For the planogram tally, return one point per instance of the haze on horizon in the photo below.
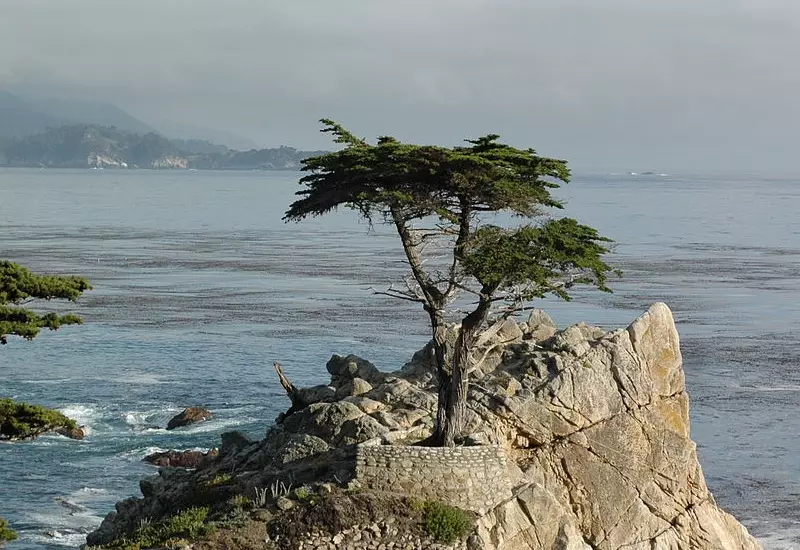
(613, 85)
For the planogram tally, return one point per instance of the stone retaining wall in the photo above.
(472, 478)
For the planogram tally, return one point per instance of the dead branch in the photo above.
(294, 394)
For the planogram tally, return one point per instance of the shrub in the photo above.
(186, 524)
(445, 523)
(6, 532)
(219, 479)
(23, 421)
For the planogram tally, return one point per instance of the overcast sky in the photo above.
(606, 84)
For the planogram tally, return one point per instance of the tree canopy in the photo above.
(451, 202)
(19, 287)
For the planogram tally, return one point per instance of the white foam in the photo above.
(139, 454)
(59, 538)
(88, 495)
(211, 426)
(149, 420)
(84, 415)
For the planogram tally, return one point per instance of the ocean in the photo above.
(199, 286)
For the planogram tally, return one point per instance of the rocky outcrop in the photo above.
(189, 416)
(181, 459)
(594, 427)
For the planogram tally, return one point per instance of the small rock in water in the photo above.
(191, 415)
(73, 433)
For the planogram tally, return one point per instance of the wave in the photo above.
(84, 415)
(58, 537)
(149, 419)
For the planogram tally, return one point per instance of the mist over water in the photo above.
(199, 287)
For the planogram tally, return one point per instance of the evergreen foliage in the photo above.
(19, 286)
(25, 421)
(7, 534)
(185, 525)
(445, 523)
(439, 200)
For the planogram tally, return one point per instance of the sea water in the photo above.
(199, 286)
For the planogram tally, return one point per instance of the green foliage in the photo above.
(439, 199)
(303, 494)
(24, 421)
(537, 259)
(241, 501)
(404, 183)
(187, 524)
(445, 523)
(7, 534)
(217, 480)
(18, 286)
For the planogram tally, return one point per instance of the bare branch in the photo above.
(294, 394)
(400, 296)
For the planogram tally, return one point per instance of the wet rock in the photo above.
(181, 459)
(191, 415)
(73, 433)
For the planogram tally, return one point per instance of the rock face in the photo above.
(181, 459)
(594, 427)
(602, 432)
(191, 415)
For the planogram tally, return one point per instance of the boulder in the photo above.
(300, 446)
(356, 386)
(540, 326)
(188, 416)
(346, 368)
(73, 433)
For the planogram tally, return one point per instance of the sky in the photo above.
(607, 84)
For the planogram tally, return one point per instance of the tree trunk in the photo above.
(444, 393)
(455, 404)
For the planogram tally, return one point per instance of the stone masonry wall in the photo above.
(472, 478)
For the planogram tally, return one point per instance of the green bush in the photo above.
(6, 532)
(23, 421)
(217, 480)
(445, 523)
(186, 524)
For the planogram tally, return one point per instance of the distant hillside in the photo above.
(82, 146)
(281, 158)
(22, 116)
(91, 112)
(91, 146)
(19, 118)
